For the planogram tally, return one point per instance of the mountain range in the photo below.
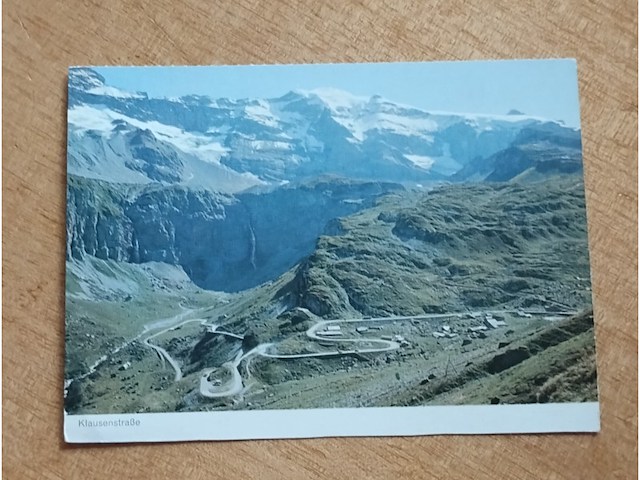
(229, 145)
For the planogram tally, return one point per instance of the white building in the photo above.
(332, 333)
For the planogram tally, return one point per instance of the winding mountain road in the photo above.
(146, 328)
(236, 385)
(312, 333)
(162, 353)
(233, 386)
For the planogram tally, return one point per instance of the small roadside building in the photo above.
(493, 323)
(331, 333)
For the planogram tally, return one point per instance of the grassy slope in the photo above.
(556, 363)
(457, 247)
(109, 303)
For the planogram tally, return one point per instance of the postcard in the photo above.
(289, 251)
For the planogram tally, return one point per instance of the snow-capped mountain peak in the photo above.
(85, 78)
(89, 81)
(335, 99)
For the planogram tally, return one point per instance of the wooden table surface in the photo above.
(42, 38)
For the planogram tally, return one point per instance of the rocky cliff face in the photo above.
(223, 242)
(536, 153)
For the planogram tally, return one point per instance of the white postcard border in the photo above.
(332, 422)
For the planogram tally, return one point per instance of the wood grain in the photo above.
(41, 39)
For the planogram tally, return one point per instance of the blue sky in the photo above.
(545, 88)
